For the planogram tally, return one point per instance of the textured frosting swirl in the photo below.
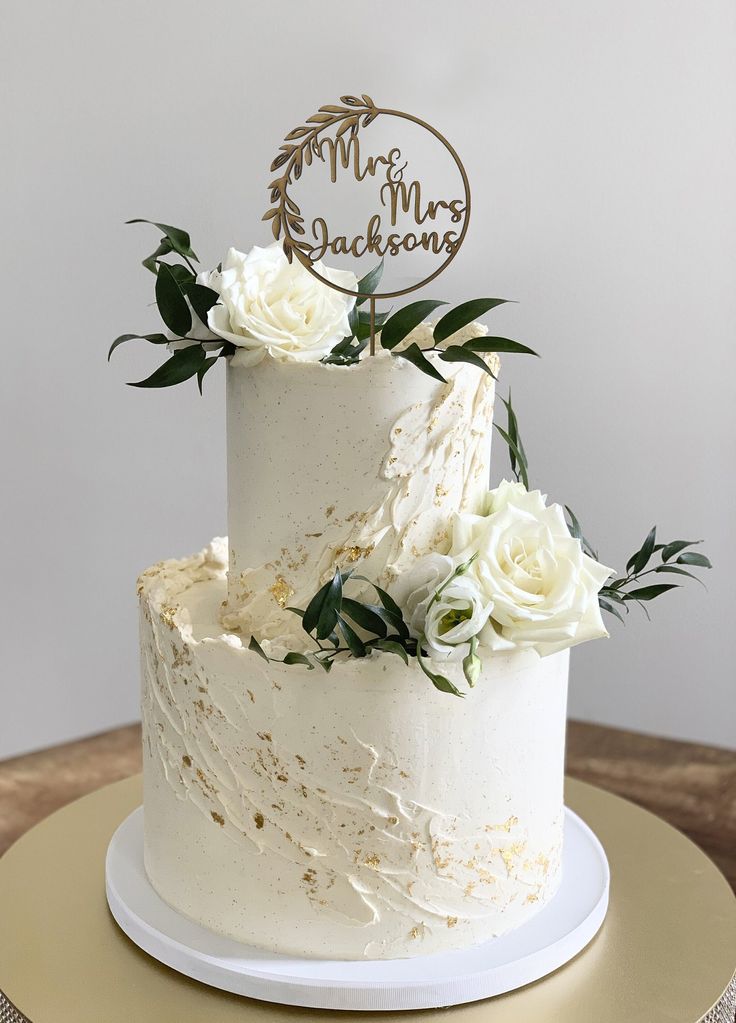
(332, 465)
(310, 813)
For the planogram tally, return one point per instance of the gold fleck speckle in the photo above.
(374, 860)
(266, 736)
(250, 694)
(329, 512)
(506, 826)
(166, 613)
(218, 818)
(451, 921)
(281, 591)
(258, 818)
(393, 820)
(414, 932)
(186, 760)
(531, 898)
(354, 553)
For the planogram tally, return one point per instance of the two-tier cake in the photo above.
(361, 812)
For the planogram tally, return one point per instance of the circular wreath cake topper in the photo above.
(333, 136)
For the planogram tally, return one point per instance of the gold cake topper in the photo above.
(335, 137)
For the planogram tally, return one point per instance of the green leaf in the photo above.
(393, 609)
(670, 549)
(672, 569)
(443, 684)
(416, 357)
(575, 530)
(179, 240)
(182, 274)
(368, 284)
(365, 616)
(294, 658)
(182, 365)
(202, 299)
(356, 645)
(693, 558)
(458, 353)
(498, 344)
(321, 614)
(518, 455)
(462, 315)
(610, 608)
(398, 326)
(204, 368)
(155, 339)
(171, 303)
(649, 592)
(438, 681)
(164, 249)
(353, 322)
(256, 647)
(295, 611)
(363, 330)
(637, 562)
(391, 646)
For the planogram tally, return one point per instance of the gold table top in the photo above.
(666, 952)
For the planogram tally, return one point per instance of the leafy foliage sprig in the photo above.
(395, 328)
(673, 556)
(338, 624)
(616, 596)
(179, 299)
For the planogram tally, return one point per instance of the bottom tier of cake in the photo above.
(351, 815)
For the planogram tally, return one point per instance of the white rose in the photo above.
(543, 587)
(448, 621)
(270, 306)
(199, 333)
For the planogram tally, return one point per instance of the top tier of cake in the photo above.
(329, 466)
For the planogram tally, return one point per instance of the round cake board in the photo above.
(666, 952)
(551, 938)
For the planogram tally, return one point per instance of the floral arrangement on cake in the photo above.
(517, 573)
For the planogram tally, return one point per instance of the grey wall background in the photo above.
(599, 140)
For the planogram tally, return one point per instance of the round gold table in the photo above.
(666, 952)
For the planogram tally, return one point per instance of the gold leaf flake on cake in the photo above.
(373, 860)
(451, 921)
(506, 826)
(281, 591)
(354, 553)
(217, 818)
(166, 614)
(258, 818)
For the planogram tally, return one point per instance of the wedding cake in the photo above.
(361, 811)
(354, 708)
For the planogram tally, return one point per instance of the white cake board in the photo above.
(551, 938)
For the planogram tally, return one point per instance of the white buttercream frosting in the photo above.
(332, 465)
(360, 814)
